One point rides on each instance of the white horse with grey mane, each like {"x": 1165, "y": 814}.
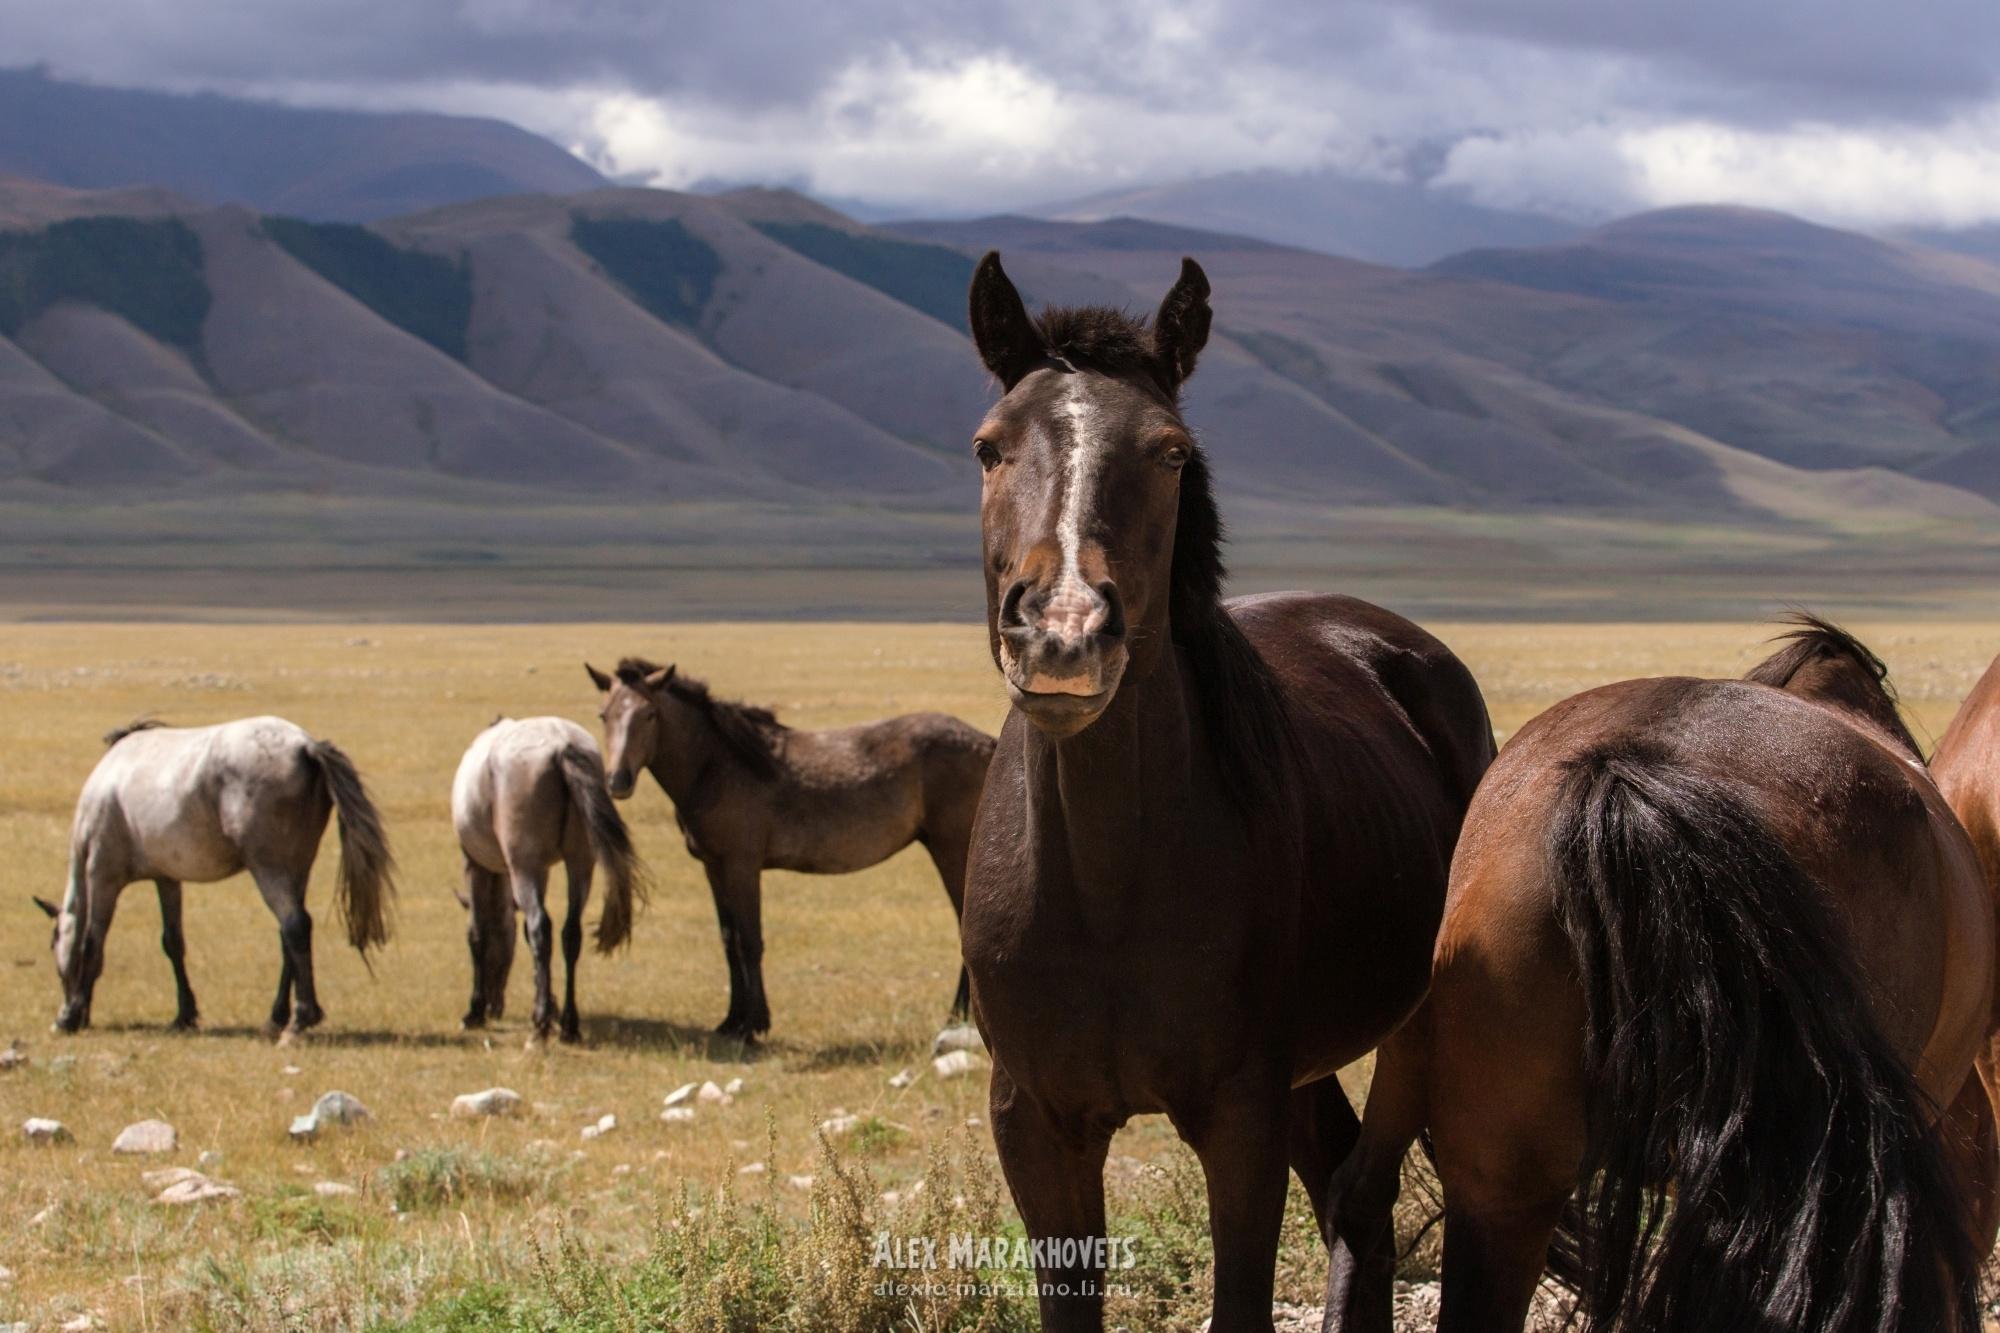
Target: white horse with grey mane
{"x": 199, "y": 804}
{"x": 531, "y": 792}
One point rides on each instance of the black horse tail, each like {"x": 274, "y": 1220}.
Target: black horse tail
{"x": 610, "y": 843}
{"x": 367, "y": 884}
{"x": 1730, "y": 1051}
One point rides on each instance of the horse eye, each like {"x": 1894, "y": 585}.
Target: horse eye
{"x": 988, "y": 456}
{"x": 1175, "y": 458}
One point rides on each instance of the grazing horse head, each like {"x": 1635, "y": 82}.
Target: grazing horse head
{"x": 632, "y": 720}
{"x": 1089, "y": 471}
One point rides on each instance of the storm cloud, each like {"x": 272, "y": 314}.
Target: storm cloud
{"x": 1862, "y": 113}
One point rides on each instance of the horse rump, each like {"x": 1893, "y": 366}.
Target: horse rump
{"x": 367, "y": 884}
{"x": 610, "y": 843}
{"x": 1730, "y": 1051}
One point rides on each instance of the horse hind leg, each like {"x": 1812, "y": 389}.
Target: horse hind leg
{"x": 948, "y": 853}
{"x": 530, "y": 888}
{"x": 489, "y": 937}
{"x": 284, "y": 894}
{"x": 187, "y": 1014}
{"x": 578, "y": 870}
{"x": 1356, "y": 1206}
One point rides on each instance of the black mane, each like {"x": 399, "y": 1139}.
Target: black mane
{"x": 1813, "y": 638}
{"x": 754, "y": 735}
{"x": 1101, "y": 339}
{"x": 117, "y": 734}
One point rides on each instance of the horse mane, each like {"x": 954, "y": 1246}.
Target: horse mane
{"x": 1849, "y": 675}
{"x": 117, "y": 734}
{"x": 751, "y": 733}
{"x": 1102, "y": 339}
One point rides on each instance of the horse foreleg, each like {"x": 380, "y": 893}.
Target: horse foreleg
{"x": 530, "y": 888}
{"x": 1241, "y": 1141}
{"x": 739, "y": 895}
{"x": 1359, "y": 1205}
{"x": 948, "y": 853}
{"x": 281, "y": 1008}
{"x": 284, "y": 893}
{"x": 1055, "y": 1172}
{"x": 172, "y": 943}
{"x": 578, "y": 871}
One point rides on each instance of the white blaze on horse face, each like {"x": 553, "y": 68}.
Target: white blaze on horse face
{"x": 1073, "y": 608}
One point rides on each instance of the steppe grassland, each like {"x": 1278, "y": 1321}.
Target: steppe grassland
{"x": 860, "y": 969}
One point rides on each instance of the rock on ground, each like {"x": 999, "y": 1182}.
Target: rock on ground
{"x": 681, "y": 1094}
{"x": 678, "y": 1115}
{"x": 957, "y": 1063}
{"x": 146, "y": 1138}
{"x": 963, "y": 1037}
{"x": 339, "y": 1108}
{"x": 13, "y": 1057}
{"x": 493, "y": 1101}
{"x": 179, "y": 1186}
{"x": 37, "y": 1130}
{"x": 333, "y": 1189}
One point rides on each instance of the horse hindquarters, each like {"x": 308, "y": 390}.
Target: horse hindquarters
{"x": 1730, "y": 1050}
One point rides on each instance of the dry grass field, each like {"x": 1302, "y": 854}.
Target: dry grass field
{"x": 500, "y": 1222}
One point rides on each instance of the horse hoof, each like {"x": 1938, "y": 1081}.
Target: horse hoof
{"x": 472, "y": 1022}
{"x": 185, "y": 1025}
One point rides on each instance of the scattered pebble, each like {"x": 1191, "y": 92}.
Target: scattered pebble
{"x": 182, "y": 1187}
{"x": 305, "y": 1128}
{"x": 800, "y": 1182}
{"x": 839, "y": 1125}
{"x": 605, "y": 1124}
{"x": 678, "y": 1115}
{"x": 493, "y": 1101}
{"x": 622, "y": 1169}
{"x": 681, "y": 1094}
{"x": 902, "y": 1080}
{"x": 13, "y": 1057}
{"x": 82, "y": 1323}
{"x": 147, "y": 1138}
{"x": 963, "y": 1037}
{"x": 38, "y": 1130}
{"x": 751, "y": 1169}
{"x": 209, "y": 1158}
{"x": 334, "y": 1189}
{"x": 713, "y": 1094}
{"x": 733, "y": 1088}
{"x": 6, "y": 1275}
{"x": 291, "y": 1071}
{"x": 957, "y": 1063}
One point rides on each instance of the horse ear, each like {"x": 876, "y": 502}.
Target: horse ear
{"x": 1001, "y": 329}
{"x": 459, "y": 894}
{"x": 598, "y": 678}
{"x": 1180, "y": 330}
{"x": 658, "y": 680}
{"x": 45, "y": 905}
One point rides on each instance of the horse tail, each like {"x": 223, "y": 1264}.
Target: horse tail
{"x": 367, "y": 868}
{"x": 610, "y": 843}
{"x": 1730, "y": 1051}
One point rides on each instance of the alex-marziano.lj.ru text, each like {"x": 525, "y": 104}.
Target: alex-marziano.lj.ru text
{"x": 972, "y": 1253}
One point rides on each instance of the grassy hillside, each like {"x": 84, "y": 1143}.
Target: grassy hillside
{"x": 666, "y": 269}
{"x": 149, "y": 271}
{"x": 423, "y": 294}
{"x": 930, "y": 278}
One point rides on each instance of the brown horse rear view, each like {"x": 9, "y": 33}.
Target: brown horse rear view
{"x": 1672, "y": 914}
{"x": 1967, "y": 768}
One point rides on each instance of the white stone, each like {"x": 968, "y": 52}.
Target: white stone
{"x": 305, "y": 1128}
{"x": 605, "y": 1124}
{"x": 838, "y": 1126}
{"x": 209, "y": 1157}
{"x": 753, "y": 1169}
{"x": 956, "y": 1064}
{"x": 681, "y": 1094}
{"x": 710, "y": 1092}
{"x": 334, "y": 1189}
{"x": 291, "y": 1071}
{"x": 168, "y": 1175}
{"x": 800, "y": 1182}
{"x": 622, "y": 1169}
{"x": 339, "y": 1108}
{"x": 147, "y": 1138}
{"x": 733, "y": 1088}
{"x": 196, "y": 1188}
{"x": 82, "y": 1323}
{"x": 38, "y": 1130}
{"x": 6, "y": 1275}
{"x": 493, "y": 1101}
{"x": 963, "y": 1037}
{"x": 678, "y": 1115}
{"x": 902, "y": 1080}
{"x": 13, "y": 1057}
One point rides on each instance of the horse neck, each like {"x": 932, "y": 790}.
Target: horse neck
{"x": 688, "y": 747}
{"x": 1098, "y": 801}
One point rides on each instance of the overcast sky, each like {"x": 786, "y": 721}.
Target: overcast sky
{"x": 1880, "y": 113}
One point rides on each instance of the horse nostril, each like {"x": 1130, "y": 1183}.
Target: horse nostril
{"x": 1114, "y": 611}
{"x": 1010, "y": 606}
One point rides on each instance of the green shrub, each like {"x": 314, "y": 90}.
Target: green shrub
{"x": 435, "y": 1177}
{"x": 425, "y": 295}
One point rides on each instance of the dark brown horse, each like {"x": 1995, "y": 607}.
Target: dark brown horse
{"x": 750, "y": 792}
{"x": 1967, "y": 768}
{"x": 1212, "y": 851}
{"x": 1719, "y": 940}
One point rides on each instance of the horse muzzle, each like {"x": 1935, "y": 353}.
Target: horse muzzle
{"x": 1062, "y": 651}
{"x": 619, "y": 783}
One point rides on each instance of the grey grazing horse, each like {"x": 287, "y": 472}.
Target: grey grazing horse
{"x": 530, "y": 792}
{"x": 750, "y": 792}
{"x": 175, "y": 804}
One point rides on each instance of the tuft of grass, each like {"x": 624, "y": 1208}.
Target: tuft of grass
{"x": 296, "y": 1214}
{"x": 435, "y": 1177}
{"x": 875, "y": 1136}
